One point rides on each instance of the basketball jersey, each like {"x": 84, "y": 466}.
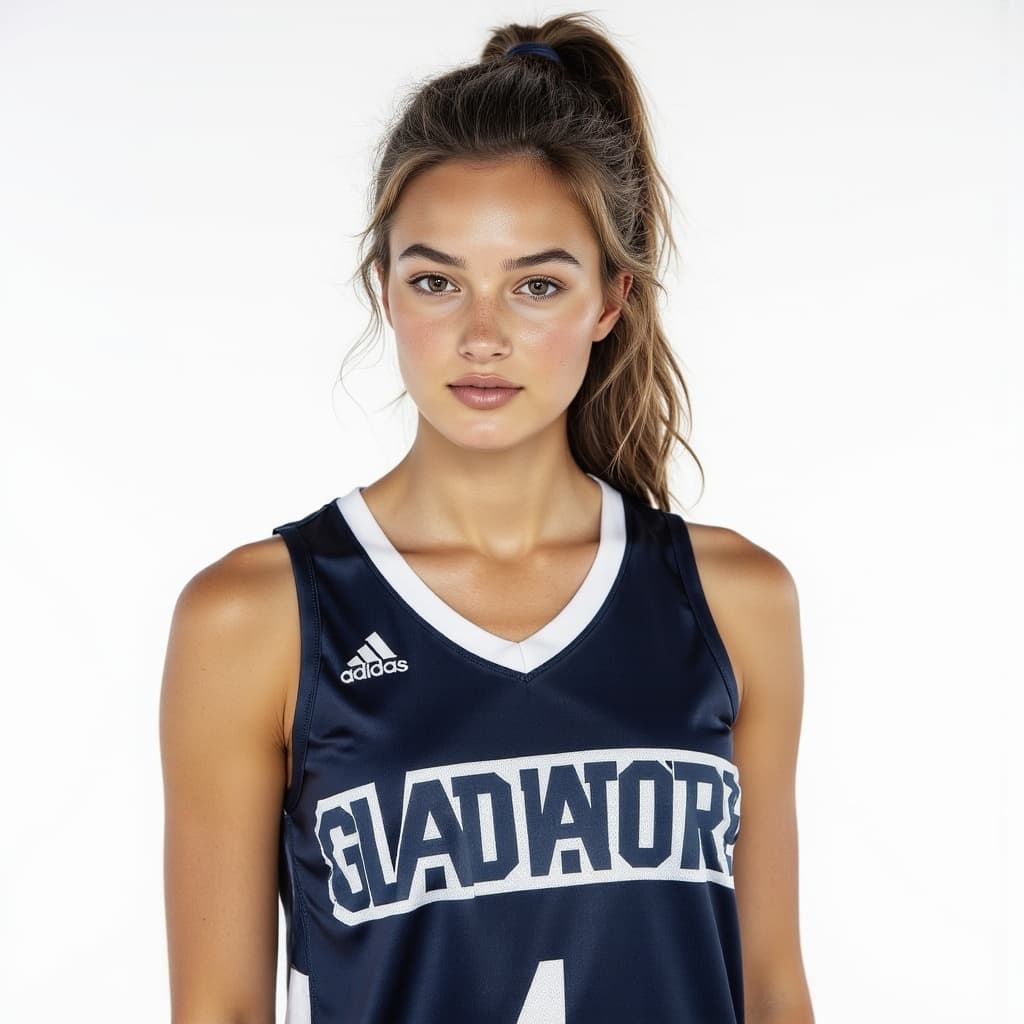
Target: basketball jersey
{"x": 512, "y": 832}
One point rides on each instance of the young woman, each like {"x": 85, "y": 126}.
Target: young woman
{"x": 482, "y": 724}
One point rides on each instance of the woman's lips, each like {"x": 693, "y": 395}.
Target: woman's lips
{"x": 483, "y": 398}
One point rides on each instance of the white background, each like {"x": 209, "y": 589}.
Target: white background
{"x": 180, "y": 187}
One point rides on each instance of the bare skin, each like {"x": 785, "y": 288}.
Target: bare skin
{"x": 492, "y": 512}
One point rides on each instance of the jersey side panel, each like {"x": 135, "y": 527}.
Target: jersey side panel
{"x": 310, "y": 629}
{"x": 687, "y": 563}
{"x": 298, "y": 537}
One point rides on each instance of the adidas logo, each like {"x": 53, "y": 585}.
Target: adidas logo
{"x": 374, "y": 658}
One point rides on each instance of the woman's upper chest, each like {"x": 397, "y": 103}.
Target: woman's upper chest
{"x": 509, "y": 598}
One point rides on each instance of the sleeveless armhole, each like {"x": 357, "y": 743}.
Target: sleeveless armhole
{"x": 309, "y": 660}
{"x": 687, "y": 563}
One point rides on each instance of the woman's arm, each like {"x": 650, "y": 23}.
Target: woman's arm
{"x": 222, "y": 744}
{"x": 754, "y": 601}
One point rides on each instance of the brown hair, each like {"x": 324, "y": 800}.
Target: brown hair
{"x": 585, "y": 118}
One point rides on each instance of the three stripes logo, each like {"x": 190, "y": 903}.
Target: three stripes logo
{"x": 374, "y": 658}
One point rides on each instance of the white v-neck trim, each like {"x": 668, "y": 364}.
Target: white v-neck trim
{"x": 521, "y": 655}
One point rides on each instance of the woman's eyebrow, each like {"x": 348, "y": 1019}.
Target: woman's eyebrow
{"x": 546, "y": 256}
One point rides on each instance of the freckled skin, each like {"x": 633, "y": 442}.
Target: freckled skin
{"x": 483, "y": 319}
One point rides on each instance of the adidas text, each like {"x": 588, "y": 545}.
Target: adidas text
{"x": 374, "y": 658}
{"x": 377, "y": 668}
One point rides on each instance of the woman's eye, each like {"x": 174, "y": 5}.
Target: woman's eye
{"x": 442, "y": 281}
{"x": 428, "y": 277}
{"x": 545, "y": 282}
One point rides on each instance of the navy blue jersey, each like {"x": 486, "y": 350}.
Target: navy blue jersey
{"x": 485, "y": 831}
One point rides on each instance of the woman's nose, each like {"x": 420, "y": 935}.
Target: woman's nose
{"x": 484, "y": 332}
{"x": 484, "y": 322}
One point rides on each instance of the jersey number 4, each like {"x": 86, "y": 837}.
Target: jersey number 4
{"x": 545, "y": 1002}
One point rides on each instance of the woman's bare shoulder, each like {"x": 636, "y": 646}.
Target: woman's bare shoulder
{"x": 728, "y": 551}
{"x": 243, "y": 608}
{"x": 254, "y": 571}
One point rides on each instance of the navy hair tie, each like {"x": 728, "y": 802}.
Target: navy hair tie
{"x": 542, "y": 48}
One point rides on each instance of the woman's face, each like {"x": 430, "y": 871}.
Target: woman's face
{"x": 457, "y": 305}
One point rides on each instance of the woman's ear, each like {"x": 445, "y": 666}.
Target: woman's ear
{"x": 610, "y": 314}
